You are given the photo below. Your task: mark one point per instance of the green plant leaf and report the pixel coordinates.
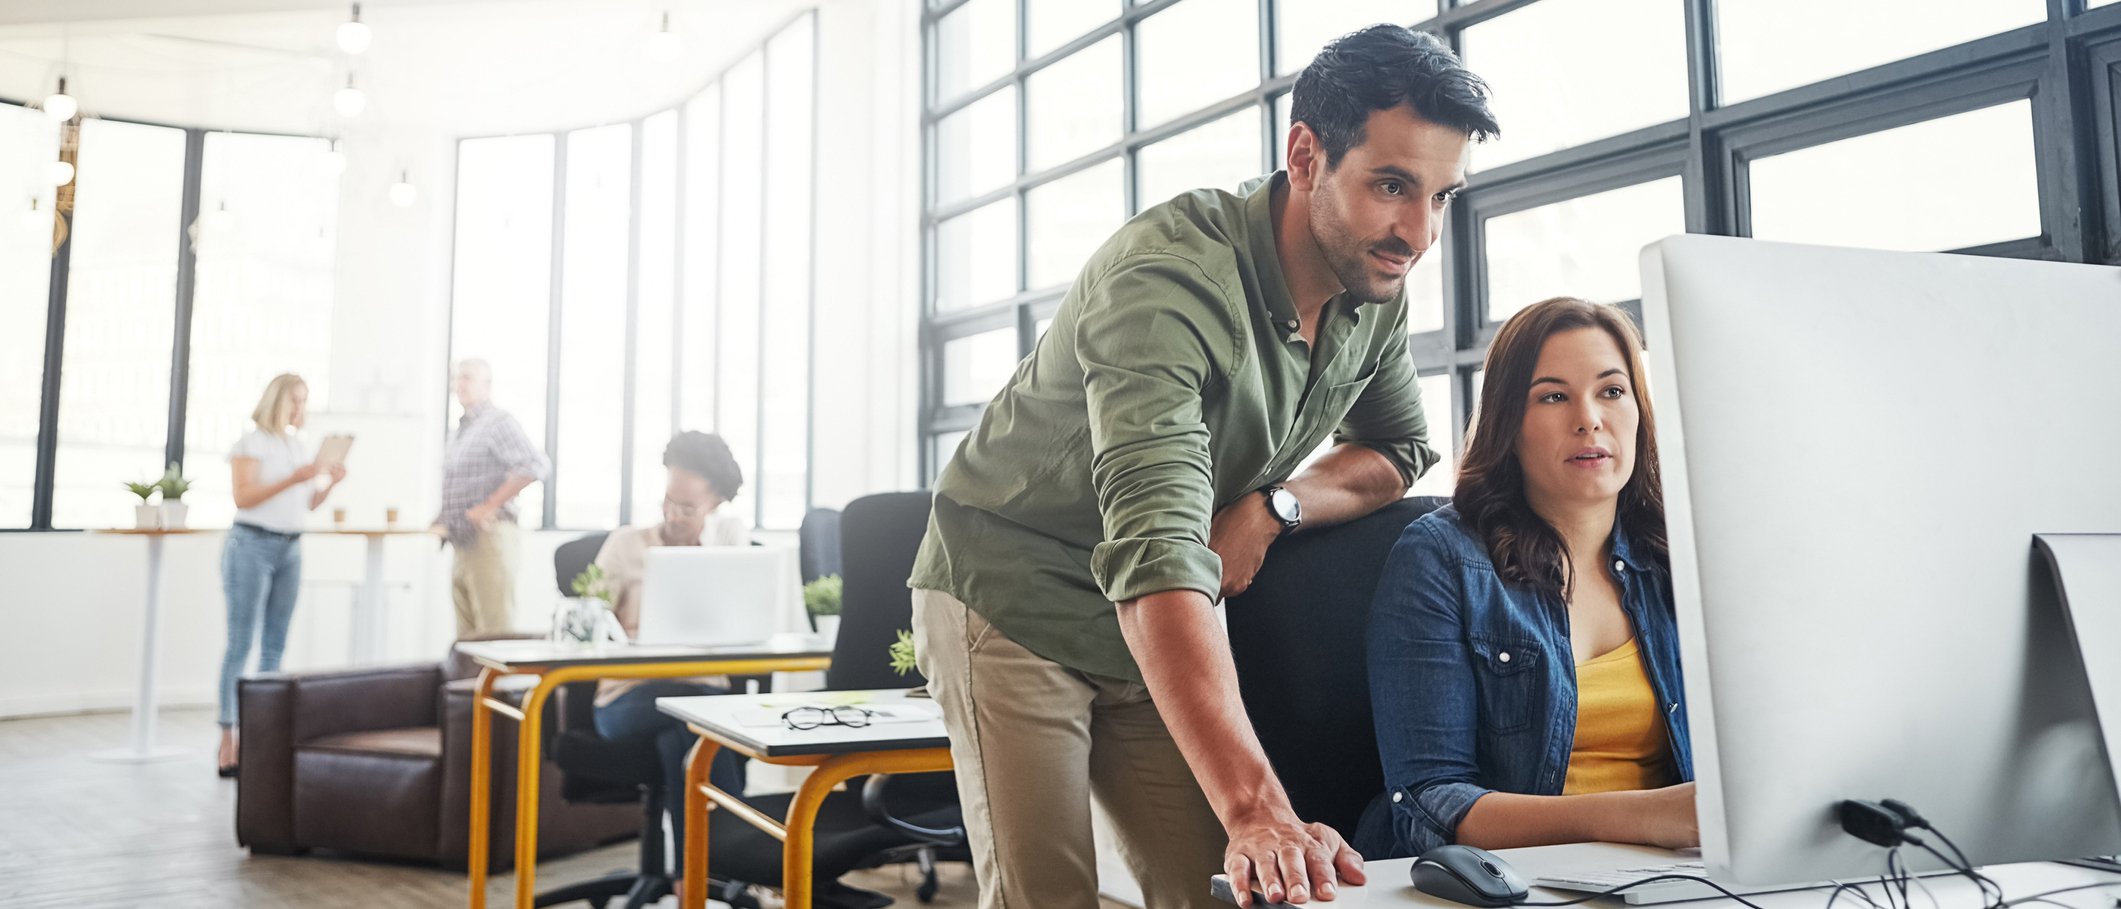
(903, 657)
(822, 596)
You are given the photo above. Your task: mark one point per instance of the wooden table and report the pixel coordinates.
(558, 664)
(365, 631)
(751, 726)
(142, 747)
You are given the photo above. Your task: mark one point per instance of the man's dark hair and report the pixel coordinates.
(1380, 68)
(707, 455)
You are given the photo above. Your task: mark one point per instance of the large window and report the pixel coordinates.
(28, 142)
(635, 279)
(187, 267)
(1946, 125)
(263, 299)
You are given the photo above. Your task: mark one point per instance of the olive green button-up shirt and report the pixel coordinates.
(1171, 383)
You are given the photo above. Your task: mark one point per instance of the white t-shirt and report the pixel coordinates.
(278, 457)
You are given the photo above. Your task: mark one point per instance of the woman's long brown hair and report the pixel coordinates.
(1491, 496)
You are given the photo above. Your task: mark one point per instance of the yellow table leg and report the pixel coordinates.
(481, 784)
(697, 765)
(798, 855)
(530, 758)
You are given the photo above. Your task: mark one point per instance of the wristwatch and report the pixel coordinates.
(1282, 504)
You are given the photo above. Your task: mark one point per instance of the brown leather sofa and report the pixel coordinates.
(376, 762)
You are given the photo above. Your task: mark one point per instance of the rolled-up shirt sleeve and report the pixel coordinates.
(1422, 692)
(1388, 418)
(513, 449)
(1150, 339)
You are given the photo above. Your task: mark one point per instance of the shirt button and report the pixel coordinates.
(1503, 656)
(1397, 796)
(1619, 566)
(1291, 324)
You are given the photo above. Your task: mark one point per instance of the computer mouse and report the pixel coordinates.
(1463, 874)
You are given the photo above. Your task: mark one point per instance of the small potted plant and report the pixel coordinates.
(822, 599)
(145, 516)
(173, 486)
(903, 657)
(586, 618)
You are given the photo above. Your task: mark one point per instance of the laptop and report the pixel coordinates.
(715, 596)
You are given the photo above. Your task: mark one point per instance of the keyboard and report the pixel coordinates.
(1599, 881)
(2097, 863)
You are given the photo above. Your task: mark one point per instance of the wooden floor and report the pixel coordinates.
(81, 833)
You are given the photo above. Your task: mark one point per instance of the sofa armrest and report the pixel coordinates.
(265, 790)
(364, 699)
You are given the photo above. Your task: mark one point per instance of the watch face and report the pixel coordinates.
(1285, 506)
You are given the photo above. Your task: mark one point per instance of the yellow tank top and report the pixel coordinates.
(1620, 734)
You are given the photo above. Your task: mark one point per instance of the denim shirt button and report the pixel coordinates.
(1619, 566)
(1503, 656)
(1397, 797)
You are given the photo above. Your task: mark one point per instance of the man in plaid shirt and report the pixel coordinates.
(489, 460)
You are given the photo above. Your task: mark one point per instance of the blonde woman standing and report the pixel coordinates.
(261, 565)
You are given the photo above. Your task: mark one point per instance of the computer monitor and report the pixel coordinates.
(1858, 448)
(714, 595)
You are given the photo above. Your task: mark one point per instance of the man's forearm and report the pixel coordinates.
(1348, 482)
(1185, 660)
(515, 483)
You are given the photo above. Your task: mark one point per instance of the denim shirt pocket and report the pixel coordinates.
(1509, 679)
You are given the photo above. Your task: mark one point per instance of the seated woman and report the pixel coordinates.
(1524, 666)
(703, 475)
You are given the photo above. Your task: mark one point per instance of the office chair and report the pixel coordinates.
(1296, 636)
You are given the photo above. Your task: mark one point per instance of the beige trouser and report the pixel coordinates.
(482, 581)
(1033, 740)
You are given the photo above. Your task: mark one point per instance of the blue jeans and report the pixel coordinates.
(261, 572)
(633, 715)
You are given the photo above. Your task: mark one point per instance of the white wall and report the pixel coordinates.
(74, 601)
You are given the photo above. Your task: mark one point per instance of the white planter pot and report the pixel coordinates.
(173, 515)
(828, 628)
(147, 517)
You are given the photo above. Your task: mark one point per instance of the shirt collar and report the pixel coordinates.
(1259, 221)
(475, 411)
(1259, 218)
(1624, 548)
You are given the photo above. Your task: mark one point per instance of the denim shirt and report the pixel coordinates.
(1473, 682)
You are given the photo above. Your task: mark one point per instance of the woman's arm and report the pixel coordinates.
(1655, 817)
(250, 493)
(1423, 697)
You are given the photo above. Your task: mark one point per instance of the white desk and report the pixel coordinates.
(1389, 884)
(751, 725)
(142, 747)
(365, 636)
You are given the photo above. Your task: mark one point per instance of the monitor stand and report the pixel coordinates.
(2087, 569)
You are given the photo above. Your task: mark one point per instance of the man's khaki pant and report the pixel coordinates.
(1033, 741)
(482, 581)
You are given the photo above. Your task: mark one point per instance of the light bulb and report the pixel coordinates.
(353, 34)
(59, 173)
(37, 217)
(59, 105)
(349, 101)
(334, 161)
(402, 193)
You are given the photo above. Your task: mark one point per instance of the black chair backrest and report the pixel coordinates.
(1297, 636)
(879, 536)
(573, 556)
(818, 543)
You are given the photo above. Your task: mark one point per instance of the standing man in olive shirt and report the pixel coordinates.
(1137, 467)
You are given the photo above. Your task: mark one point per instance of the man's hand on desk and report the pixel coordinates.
(1288, 860)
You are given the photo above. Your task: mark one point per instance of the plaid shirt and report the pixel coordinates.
(487, 446)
